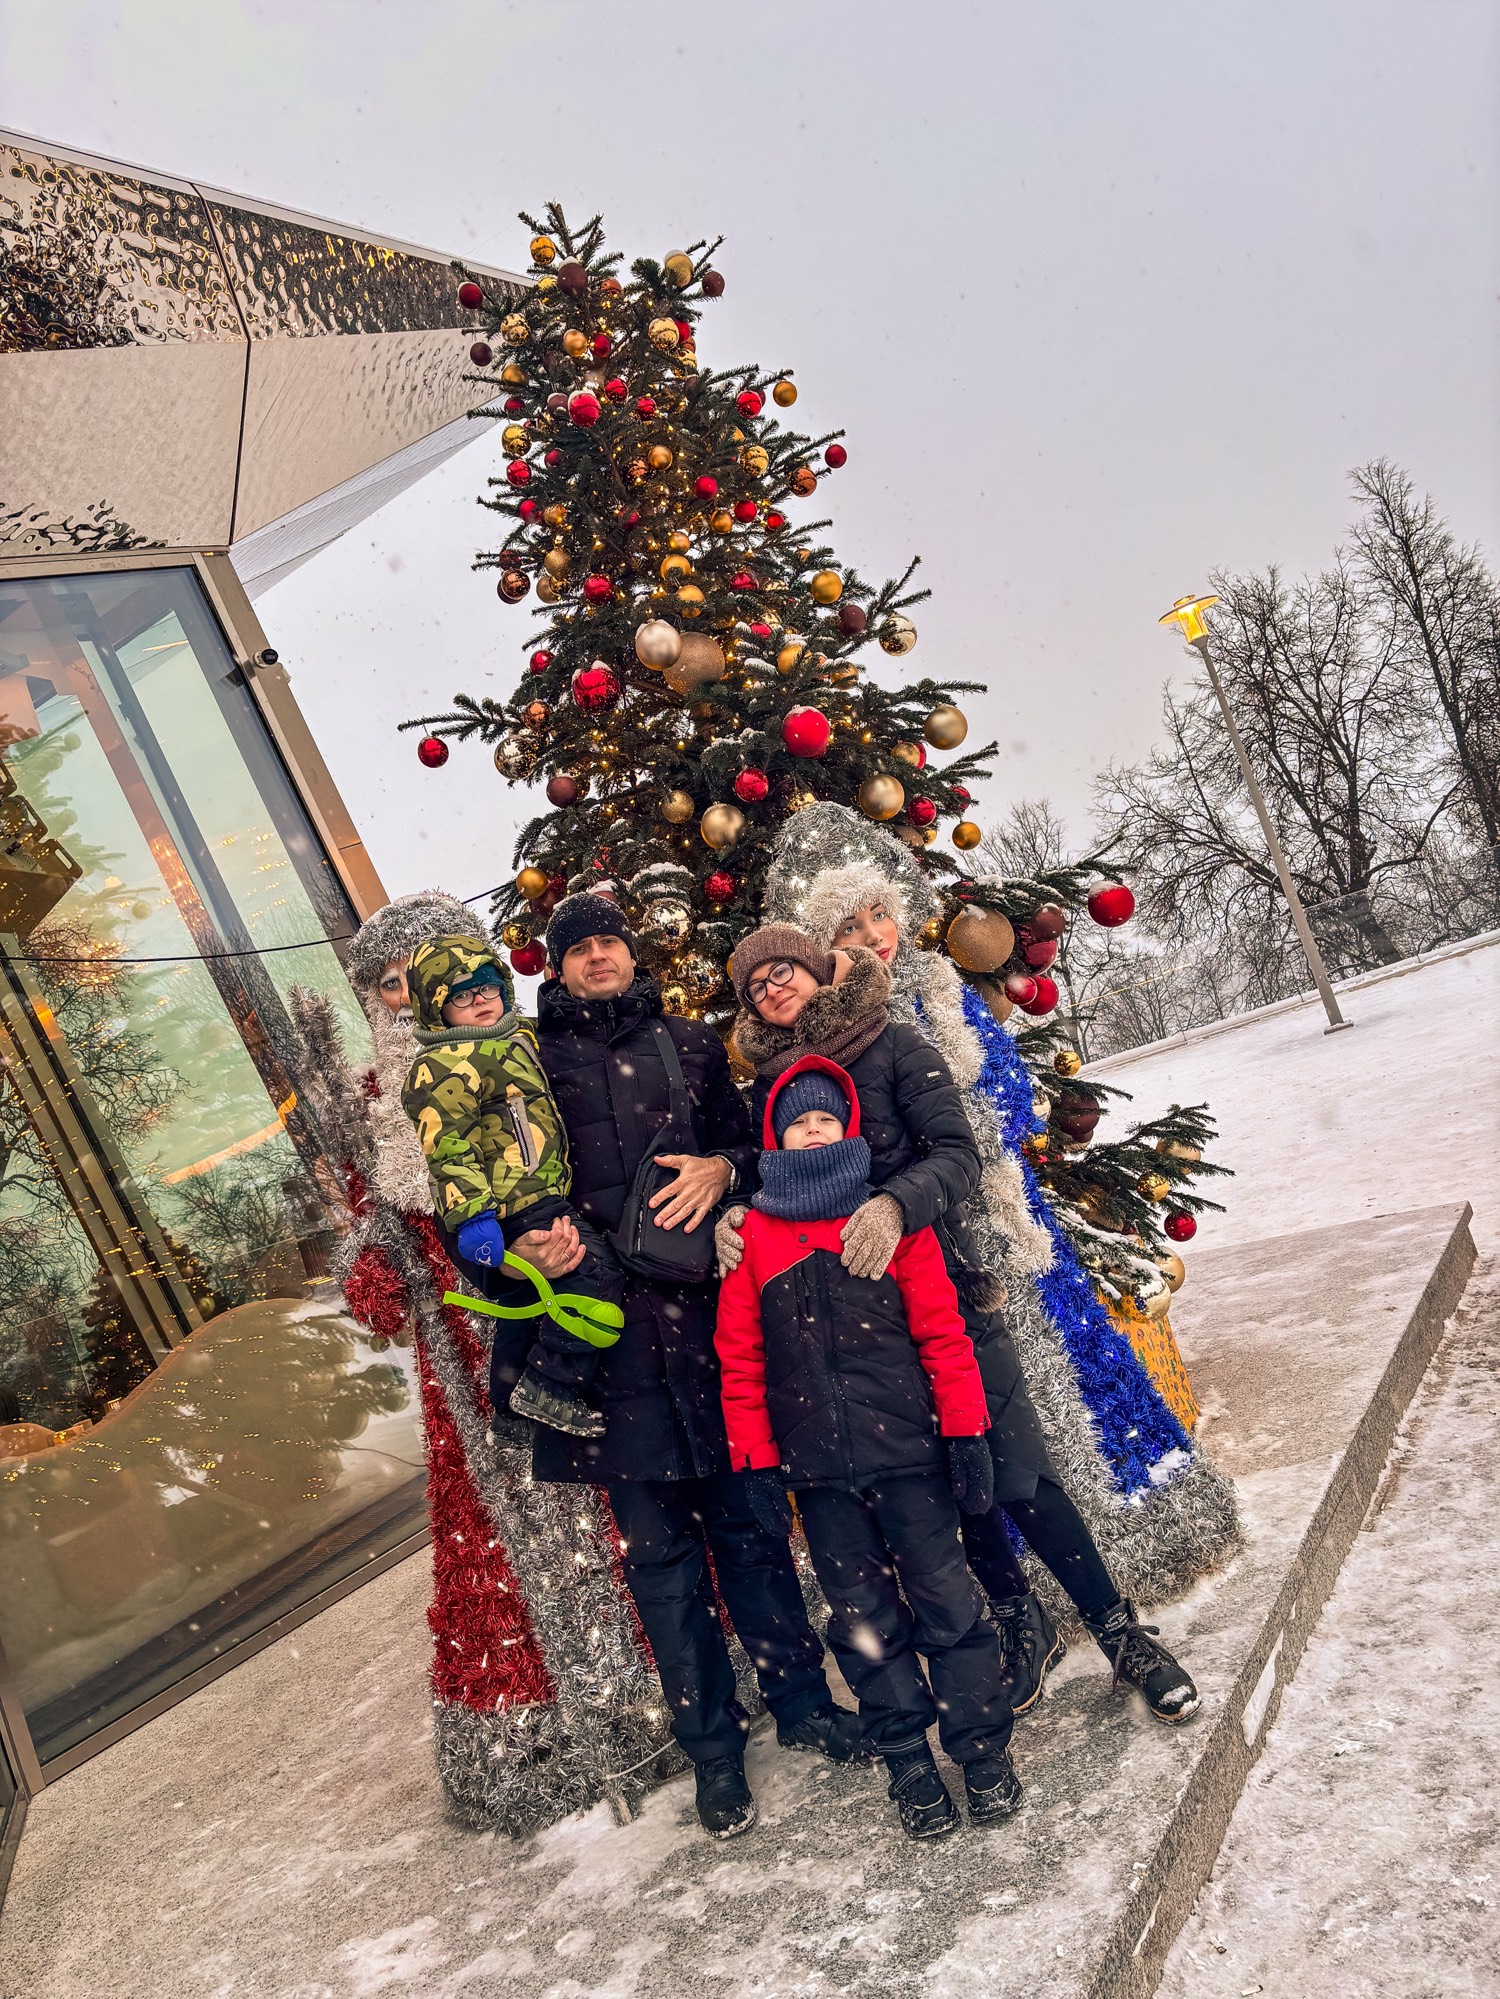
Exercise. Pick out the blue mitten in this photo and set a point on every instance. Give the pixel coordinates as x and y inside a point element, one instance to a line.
<point>482,1240</point>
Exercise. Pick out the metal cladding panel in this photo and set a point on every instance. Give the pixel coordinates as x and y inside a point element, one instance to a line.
<point>181,368</point>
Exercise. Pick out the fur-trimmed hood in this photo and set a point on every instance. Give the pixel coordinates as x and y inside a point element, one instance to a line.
<point>829,860</point>
<point>395,932</point>
<point>838,1021</point>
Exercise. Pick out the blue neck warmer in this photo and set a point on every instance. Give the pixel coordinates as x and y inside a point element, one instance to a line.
<point>822,1185</point>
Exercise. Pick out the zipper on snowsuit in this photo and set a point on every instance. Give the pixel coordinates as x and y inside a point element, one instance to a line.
<point>520,1124</point>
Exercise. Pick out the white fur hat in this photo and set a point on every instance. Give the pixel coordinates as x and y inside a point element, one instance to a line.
<point>829,861</point>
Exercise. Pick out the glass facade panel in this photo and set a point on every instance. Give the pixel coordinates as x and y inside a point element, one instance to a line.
<point>192,1436</point>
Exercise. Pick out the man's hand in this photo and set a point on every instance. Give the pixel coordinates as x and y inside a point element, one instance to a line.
<point>688,1198</point>
<point>554,1251</point>
<point>728,1241</point>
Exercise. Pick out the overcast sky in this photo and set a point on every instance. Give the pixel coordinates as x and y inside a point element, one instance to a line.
<point>1104,295</point>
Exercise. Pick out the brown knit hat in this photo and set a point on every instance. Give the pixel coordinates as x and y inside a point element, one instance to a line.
<point>769,945</point>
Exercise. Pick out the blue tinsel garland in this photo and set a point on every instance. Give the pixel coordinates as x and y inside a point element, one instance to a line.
<point>1136,1428</point>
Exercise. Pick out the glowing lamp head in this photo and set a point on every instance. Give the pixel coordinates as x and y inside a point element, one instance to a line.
<point>1187,615</point>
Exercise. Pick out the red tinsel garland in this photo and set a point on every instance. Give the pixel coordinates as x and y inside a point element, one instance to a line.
<point>375,1293</point>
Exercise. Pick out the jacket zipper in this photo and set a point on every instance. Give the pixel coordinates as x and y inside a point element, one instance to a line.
<point>823,1306</point>
<point>520,1124</point>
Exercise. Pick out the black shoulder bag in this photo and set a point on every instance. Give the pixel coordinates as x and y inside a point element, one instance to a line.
<point>644,1247</point>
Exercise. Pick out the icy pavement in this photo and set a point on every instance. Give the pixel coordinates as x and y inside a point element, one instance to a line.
<point>1363,1860</point>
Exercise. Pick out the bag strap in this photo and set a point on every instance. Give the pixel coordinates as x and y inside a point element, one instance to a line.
<point>680,1104</point>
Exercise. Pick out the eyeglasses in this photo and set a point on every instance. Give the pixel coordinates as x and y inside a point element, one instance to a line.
<point>778,975</point>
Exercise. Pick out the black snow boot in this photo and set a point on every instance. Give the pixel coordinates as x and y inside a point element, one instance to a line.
<point>1136,1658</point>
<point>992,1788</point>
<point>833,1731</point>
<point>920,1795</point>
<point>539,1399</point>
<point>725,1806</point>
<point>1029,1647</point>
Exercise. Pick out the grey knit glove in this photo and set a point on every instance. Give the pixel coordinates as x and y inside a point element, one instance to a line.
<point>728,1241</point>
<point>871,1235</point>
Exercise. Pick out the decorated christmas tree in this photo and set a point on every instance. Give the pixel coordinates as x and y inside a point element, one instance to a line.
<point>704,669</point>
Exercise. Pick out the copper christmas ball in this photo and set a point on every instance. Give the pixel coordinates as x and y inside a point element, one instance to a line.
<point>1173,1269</point>
<point>679,269</point>
<point>536,714</point>
<point>514,331</point>
<point>572,278</point>
<point>722,825</point>
<point>827,587</point>
<point>966,835</point>
<point>532,882</point>
<point>543,250</point>
<point>657,644</point>
<point>1067,1062</point>
<point>659,458</point>
<point>804,481</point>
<point>981,940</point>
<point>784,394</point>
<point>513,585</point>
<point>556,516</point>
<point>1153,1186</point>
<point>897,635</point>
<point>756,459</point>
<point>562,790</point>
<point>880,797</point>
<point>713,284</point>
<point>575,344</point>
<point>663,333</point>
<point>945,728</point>
<point>845,674</point>
<point>677,808</point>
<point>514,439</point>
<point>790,655</point>
<point>679,541</point>
<point>610,288</point>
<point>636,470</point>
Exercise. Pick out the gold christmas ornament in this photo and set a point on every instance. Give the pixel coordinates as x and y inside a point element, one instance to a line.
<point>536,715</point>
<point>532,882</point>
<point>543,250</point>
<point>674,999</point>
<point>946,727</point>
<point>575,344</point>
<point>1173,1269</point>
<point>1169,1148</point>
<point>1153,1186</point>
<point>679,269</point>
<point>800,800</point>
<point>514,935</point>
<point>1156,1298</point>
<point>663,333</point>
<point>679,541</point>
<point>677,808</point>
<point>721,521</point>
<point>909,753</point>
<point>789,656</point>
<point>674,568</point>
<point>699,661</point>
<point>827,587</point>
<point>548,589</point>
<point>514,440</point>
<point>556,516</point>
<point>699,975</point>
<point>880,797</point>
<point>657,644</point>
<point>755,458</point>
<point>690,600</point>
<point>668,923</point>
<point>845,674</point>
<point>514,331</point>
<point>966,835</point>
<point>557,562</point>
<point>659,458</point>
<point>897,635</point>
<point>784,395</point>
<point>981,940</point>
<point>513,375</point>
<point>1067,1061</point>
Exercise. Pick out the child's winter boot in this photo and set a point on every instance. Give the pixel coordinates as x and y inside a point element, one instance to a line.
<point>992,1787</point>
<point>542,1401</point>
<point>920,1795</point>
<point>1029,1647</point>
<point>725,1805</point>
<point>833,1731</point>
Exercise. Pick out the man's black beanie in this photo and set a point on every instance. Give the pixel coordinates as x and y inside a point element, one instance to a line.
<point>580,916</point>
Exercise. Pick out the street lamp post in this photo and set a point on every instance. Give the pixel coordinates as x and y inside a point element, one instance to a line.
<point>1187,615</point>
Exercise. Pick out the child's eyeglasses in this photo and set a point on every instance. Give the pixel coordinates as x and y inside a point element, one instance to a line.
<point>778,975</point>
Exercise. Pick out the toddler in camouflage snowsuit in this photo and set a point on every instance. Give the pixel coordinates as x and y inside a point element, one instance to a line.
<point>497,1157</point>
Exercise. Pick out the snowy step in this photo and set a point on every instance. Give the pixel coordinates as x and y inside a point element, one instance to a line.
<point>285,1822</point>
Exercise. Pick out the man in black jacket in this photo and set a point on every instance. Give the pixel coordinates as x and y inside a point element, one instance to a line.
<point>663,1457</point>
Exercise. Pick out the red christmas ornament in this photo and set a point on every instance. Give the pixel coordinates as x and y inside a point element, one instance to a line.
<point>851,619</point>
<point>515,405</point>
<point>615,389</point>
<point>518,472</point>
<point>596,686</point>
<point>528,510</point>
<point>720,887</point>
<point>598,589</point>
<point>1110,907</point>
<point>775,522</point>
<point>572,278</point>
<point>469,294</point>
<point>583,408</point>
<point>1039,953</point>
<point>960,791</point>
<point>540,661</point>
<point>760,631</point>
<point>835,456</point>
<point>921,811</point>
<point>562,790</point>
<point>745,510</point>
<point>528,959</point>
<point>1180,1226</point>
<point>629,517</point>
<point>1020,989</point>
<point>713,284</point>
<point>751,786</point>
<point>481,353</point>
<point>645,406</point>
<point>1049,921</point>
<point>748,403</point>
<point>705,487</point>
<point>1043,1000</point>
<point>601,347</point>
<point>743,580</point>
<point>806,732</point>
<point>684,332</point>
<point>551,457</point>
<point>432,750</point>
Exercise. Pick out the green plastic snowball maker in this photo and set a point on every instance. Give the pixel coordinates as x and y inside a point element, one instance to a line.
<point>591,1319</point>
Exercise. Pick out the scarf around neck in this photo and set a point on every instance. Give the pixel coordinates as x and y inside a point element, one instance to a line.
<point>821,1185</point>
<point>838,1021</point>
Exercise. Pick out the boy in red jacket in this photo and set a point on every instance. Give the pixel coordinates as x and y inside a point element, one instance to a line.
<point>864,1395</point>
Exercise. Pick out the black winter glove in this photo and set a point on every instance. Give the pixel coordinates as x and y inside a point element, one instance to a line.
<point>971,1473</point>
<point>766,1493</point>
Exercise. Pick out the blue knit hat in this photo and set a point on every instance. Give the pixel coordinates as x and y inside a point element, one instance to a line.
<point>812,1090</point>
